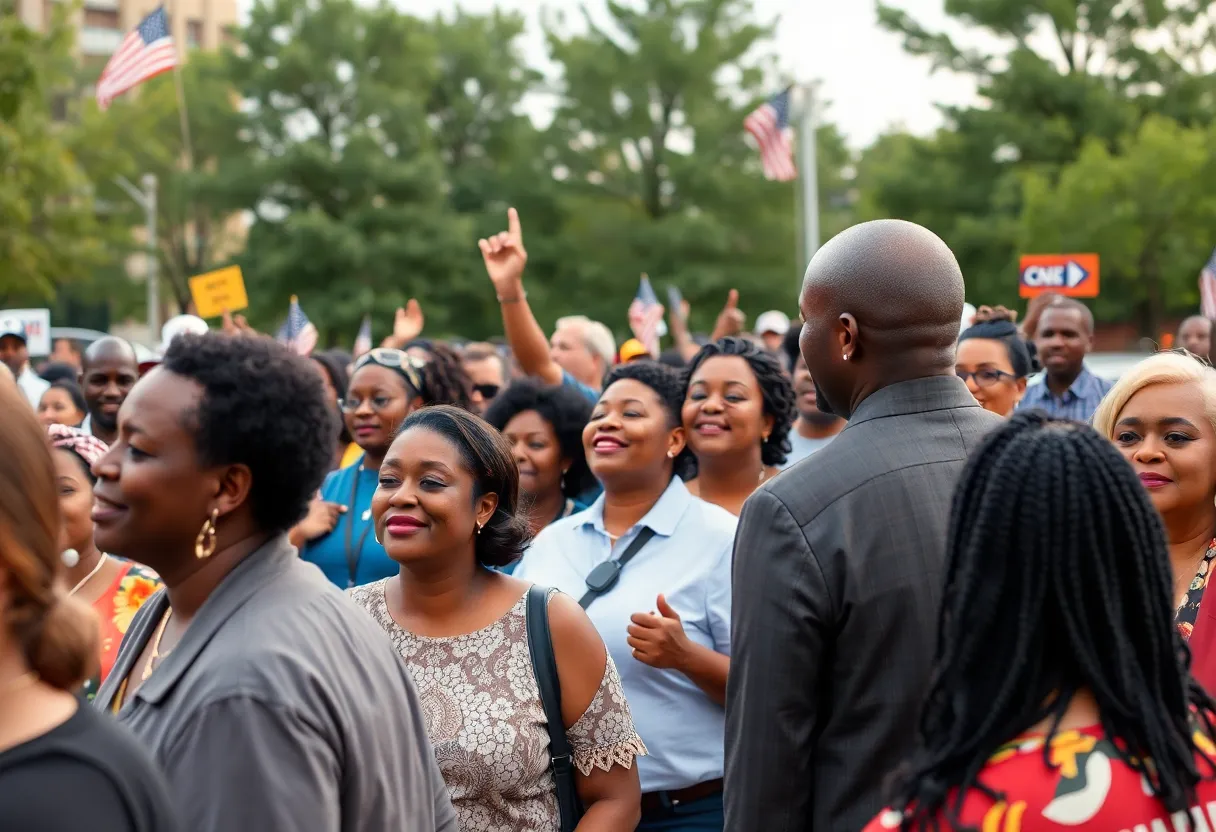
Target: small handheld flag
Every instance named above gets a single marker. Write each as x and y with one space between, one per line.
145 52
363 341
646 317
297 332
1207 288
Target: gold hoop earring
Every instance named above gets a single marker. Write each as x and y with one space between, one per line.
204 544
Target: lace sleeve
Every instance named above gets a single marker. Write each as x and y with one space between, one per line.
604 735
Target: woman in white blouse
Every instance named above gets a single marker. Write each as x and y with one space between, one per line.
666 617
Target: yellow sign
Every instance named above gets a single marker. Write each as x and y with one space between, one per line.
218 292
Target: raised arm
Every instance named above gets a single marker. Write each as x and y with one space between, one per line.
780 626
505 257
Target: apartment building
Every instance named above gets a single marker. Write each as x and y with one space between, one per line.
196 24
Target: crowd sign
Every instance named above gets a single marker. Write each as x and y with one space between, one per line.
1074 275
217 292
37 326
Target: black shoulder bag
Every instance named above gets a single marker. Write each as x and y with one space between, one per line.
544 667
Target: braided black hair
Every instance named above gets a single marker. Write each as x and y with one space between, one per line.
1057 580
444 379
667 384
999 324
776 390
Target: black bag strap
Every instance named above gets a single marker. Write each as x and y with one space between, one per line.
634 547
544 667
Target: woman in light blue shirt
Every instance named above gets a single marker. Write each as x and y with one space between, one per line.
666 619
386 386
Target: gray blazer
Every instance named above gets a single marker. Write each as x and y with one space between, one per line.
284 708
837 582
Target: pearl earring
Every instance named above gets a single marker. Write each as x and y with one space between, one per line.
845 356
671 455
70 557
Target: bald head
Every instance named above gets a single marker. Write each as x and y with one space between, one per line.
888 295
108 372
1195 336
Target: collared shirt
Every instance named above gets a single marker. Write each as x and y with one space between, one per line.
688 561
32 386
284 707
1078 402
353 540
592 395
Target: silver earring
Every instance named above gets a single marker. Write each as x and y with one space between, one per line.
70 557
845 356
479 526
671 455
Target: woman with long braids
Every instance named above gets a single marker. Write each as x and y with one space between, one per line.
1162 417
385 386
1061 696
737 412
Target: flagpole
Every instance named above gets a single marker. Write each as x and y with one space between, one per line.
181 47
808 167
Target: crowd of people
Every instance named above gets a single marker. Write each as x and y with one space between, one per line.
894 566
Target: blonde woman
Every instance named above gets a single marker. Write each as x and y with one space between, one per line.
1162 417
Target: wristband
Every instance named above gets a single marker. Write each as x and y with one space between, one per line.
513 298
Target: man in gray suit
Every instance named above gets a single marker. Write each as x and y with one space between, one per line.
838 560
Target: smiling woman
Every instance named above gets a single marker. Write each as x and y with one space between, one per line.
1162 417
446 508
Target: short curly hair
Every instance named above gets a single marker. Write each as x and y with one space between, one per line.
487 456
776 390
666 383
444 379
565 409
264 407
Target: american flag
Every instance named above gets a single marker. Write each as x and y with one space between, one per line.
297 331
1207 287
646 316
363 341
145 52
770 125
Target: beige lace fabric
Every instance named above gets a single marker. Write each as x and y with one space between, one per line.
483 714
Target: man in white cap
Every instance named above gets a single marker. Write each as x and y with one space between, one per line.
771 326
15 353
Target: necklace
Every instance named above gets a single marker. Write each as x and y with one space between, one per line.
100 563
155 657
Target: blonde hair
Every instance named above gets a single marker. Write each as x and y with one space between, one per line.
597 337
1162 368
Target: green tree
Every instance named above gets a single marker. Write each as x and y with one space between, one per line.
47 230
1067 72
339 168
200 185
647 140
1149 208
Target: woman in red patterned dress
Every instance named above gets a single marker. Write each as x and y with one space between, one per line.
114 587
1061 696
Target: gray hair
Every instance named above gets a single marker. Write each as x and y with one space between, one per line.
597 338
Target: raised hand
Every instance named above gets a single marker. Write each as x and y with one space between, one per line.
505 256
408 323
730 319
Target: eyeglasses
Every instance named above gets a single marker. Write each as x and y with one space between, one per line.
409 366
487 391
378 403
985 378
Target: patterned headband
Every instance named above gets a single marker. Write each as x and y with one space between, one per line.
85 445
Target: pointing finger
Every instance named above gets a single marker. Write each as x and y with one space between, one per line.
513 226
732 300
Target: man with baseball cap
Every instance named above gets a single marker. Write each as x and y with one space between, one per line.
15 353
771 326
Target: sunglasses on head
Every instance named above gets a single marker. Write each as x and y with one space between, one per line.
409 366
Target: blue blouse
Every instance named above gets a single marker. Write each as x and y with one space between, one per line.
353 540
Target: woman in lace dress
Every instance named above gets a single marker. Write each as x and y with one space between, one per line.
445 510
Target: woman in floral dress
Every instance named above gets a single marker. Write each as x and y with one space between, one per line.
114 587
445 510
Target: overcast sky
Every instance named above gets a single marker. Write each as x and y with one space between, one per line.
870 82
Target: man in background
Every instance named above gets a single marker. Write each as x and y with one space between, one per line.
1195 336
1064 336
15 353
486 370
771 328
108 372
66 351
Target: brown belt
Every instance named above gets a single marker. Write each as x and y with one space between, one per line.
660 802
